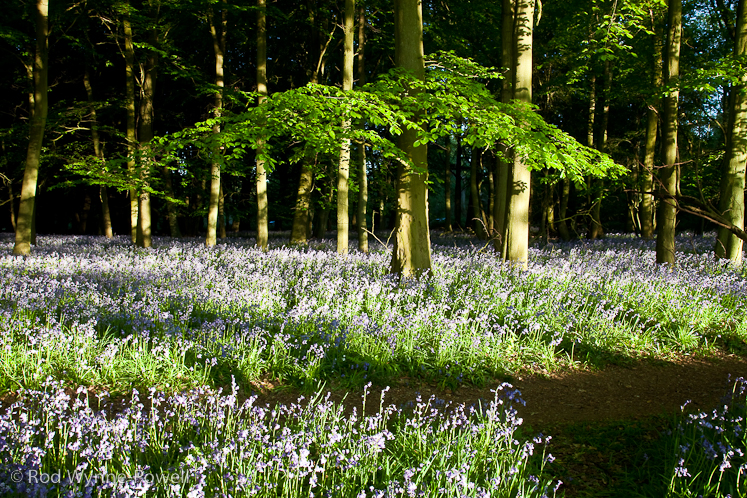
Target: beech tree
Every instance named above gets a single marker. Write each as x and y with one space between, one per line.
24 221
412 243
731 205
343 172
667 215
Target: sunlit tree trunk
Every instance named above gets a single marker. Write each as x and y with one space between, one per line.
731 204
24 221
412 244
668 176
262 215
517 217
303 205
99 152
218 34
343 170
129 56
362 172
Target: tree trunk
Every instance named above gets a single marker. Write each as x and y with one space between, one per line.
218 34
362 172
447 186
652 121
303 205
478 221
11 203
504 159
458 183
129 56
145 135
565 194
262 214
596 230
517 216
412 244
343 170
24 221
221 214
490 168
731 204
170 208
668 176
99 152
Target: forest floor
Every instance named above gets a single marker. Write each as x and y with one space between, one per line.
603 421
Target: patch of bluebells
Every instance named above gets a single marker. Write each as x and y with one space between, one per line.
307 314
708 451
220 447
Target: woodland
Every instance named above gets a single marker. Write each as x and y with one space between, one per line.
369 248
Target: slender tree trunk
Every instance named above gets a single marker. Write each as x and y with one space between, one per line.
458 183
99 152
596 230
221 214
145 135
565 194
517 217
262 214
218 34
170 208
505 156
129 56
412 244
731 204
362 172
447 186
11 203
24 222
343 170
668 177
490 168
475 167
652 121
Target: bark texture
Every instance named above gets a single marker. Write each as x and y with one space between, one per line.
731 204
218 26
412 245
262 214
343 170
668 177
25 218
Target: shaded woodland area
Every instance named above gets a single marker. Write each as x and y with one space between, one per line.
210 117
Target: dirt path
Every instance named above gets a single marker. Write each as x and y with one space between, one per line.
613 393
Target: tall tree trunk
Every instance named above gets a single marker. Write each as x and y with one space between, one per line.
412 243
505 156
458 183
668 176
145 135
490 168
218 34
170 208
99 152
343 170
221 214
262 214
652 121
24 221
565 194
303 205
362 172
11 203
731 204
596 230
129 56
478 221
517 217
447 186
